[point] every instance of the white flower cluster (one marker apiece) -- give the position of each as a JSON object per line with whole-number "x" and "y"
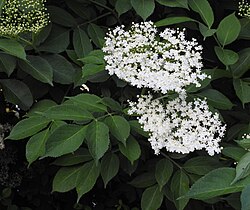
{"x": 162, "y": 62}
{"x": 244, "y": 8}
{"x": 179, "y": 126}
{"x": 19, "y": 16}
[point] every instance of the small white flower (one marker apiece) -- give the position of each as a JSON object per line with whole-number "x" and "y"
{"x": 179, "y": 126}
{"x": 244, "y": 8}
{"x": 163, "y": 62}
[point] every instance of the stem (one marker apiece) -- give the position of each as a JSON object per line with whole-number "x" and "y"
{"x": 95, "y": 19}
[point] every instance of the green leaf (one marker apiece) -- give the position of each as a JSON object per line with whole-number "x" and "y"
{"x": 40, "y": 106}
{"x": 122, "y": 6}
{"x": 96, "y": 34}
{"x": 94, "y": 57}
{"x": 13, "y": 47}
{"x": 235, "y": 153}
{"x": 242, "y": 168}
{"x": 64, "y": 72}
{"x": 205, "y": 31}
{"x": 201, "y": 165}
{"x": 86, "y": 178}
{"x": 137, "y": 127}
{"x": 57, "y": 41}
{"x": 28, "y": 127}
{"x": 152, "y": 198}
{"x": 245, "y": 28}
{"x": 143, "y": 8}
{"x": 65, "y": 179}
{"x": 227, "y": 57}
{"x": 132, "y": 150}
{"x": 17, "y": 92}
{"x": 176, "y": 3}
{"x": 216, "y": 99}
{"x": 81, "y": 43}
{"x": 204, "y": 9}
{"x": 61, "y": 16}
{"x": 144, "y": 180}
{"x": 228, "y": 30}
{"x": 119, "y": 127}
{"x": 91, "y": 69}
{"x": 244, "y": 143}
{"x": 242, "y": 90}
{"x": 79, "y": 156}
{"x": 7, "y": 63}
{"x": 173, "y": 20}
{"x": 42, "y": 35}
{"x": 35, "y": 147}
{"x": 244, "y": 198}
{"x": 65, "y": 139}
{"x": 109, "y": 167}
{"x": 97, "y": 139}
{"x": 68, "y": 112}
{"x": 90, "y": 102}
{"x": 163, "y": 172}
{"x": 38, "y": 68}
{"x": 112, "y": 104}
{"x": 216, "y": 183}
{"x": 179, "y": 187}
{"x": 243, "y": 64}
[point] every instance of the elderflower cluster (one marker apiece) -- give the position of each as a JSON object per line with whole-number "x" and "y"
{"x": 179, "y": 126}
{"x": 244, "y": 9}
{"x": 20, "y": 16}
{"x": 143, "y": 57}
{"x": 246, "y": 136}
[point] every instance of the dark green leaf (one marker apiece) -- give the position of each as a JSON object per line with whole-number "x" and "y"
{"x": 244, "y": 143}
{"x": 137, "y": 127}
{"x": 173, "y": 20}
{"x": 42, "y": 35}
{"x": 8, "y": 63}
{"x": 152, "y": 198}
{"x": 122, "y": 6}
{"x": 28, "y": 127}
{"x": 228, "y": 29}
{"x": 163, "y": 172}
{"x": 143, "y": 8}
{"x": 41, "y": 106}
{"x": 112, "y": 104}
{"x": 109, "y": 167}
{"x": 244, "y": 198}
{"x": 235, "y": 153}
{"x": 205, "y": 31}
{"x": 243, "y": 64}
{"x": 227, "y": 57}
{"x": 143, "y": 180}
{"x": 176, "y": 3}
{"x": 91, "y": 69}
{"x": 97, "y": 139}
{"x": 94, "y": 57}
{"x": 245, "y": 28}
{"x": 242, "y": 90}
{"x": 12, "y": 47}
{"x": 96, "y": 34}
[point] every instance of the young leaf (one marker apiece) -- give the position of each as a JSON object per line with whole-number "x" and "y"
{"x": 13, "y": 47}
{"x": 152, "y": 198}
{"x": 65, "y": 139}
{"x": 244, "y": 198}
{"x": 35, "y": 147}
{"x": 109, "y": 167}
{"x": 132, "y": 150}
{"x": 81, "y": 43}
{"x": 163, "y": 172}
{"x": 28, "y": 127}
{"x": 38, "y": 68}
{"x": 119, "y": 127}
{"x": 143, "y": 8}
{"x": 86, "y": 178}
{"x": 227, "y": 57}
{"x": 179, "y": 187}
{"x": 228, "y": 30}
{"x": 204, "y": 9}
{"x": 242, "y": 90}
{"x": 97, "y": 139}
{"x": 65, "y": 179}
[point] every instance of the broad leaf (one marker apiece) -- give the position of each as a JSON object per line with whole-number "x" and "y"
{"x": 242, "y": 90}
{"x": 243, "y": 64}
{"x": 13, "y": 47}
{"x": 163, "y": 172}
{"x": 81, "y": 43}
{"x": 173, "y": 20}
{"x": 122, "y": 6}
{"x": 40, "y": 106}
{"x": 144, "y": 180}
{"x": 176, "y": 3}
{"x": 7, "y": 63}
{"x": 143, "y": 8}
{"x": 244, "y": 198}
{"x": 96, "y": 34}
{"x": 227, "y": 57}
{"x": 236, "y": 153}
{"x": 152, "y": 198}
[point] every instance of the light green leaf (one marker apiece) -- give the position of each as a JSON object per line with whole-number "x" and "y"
{"x": 28, "y": 127}
{"x": 152, "y": 198}
{"x": 68, "y": 112}
{"x": 179, "y": 187}
{"x": 96, "y": 34}
{"x": 13, "y": 47}
{"x": 97, "y": 139}
{"x": 143, "y": 8}
{"x": 242, "y": 168}
{"x": 244, "y": 198}
{"x": 176, "y": 3}
{"x": 216, "y": 99}
{"x": 122, "y": 6}
{"x": 90, "y": 102}
{"x": 242, "y": 90}
{"x": 86, "y": 178}
{"x": 38, "y": 68}
{"x": 109, "y": 167}
{"x": 243, "y": 64}
{"x": 65, "y": 179}
{"x": 204, "y": 9}
{"x": 65, "y": 139}
{"x": 163, "y": 172}
{"x": 119, "y": 127}
{"x": 132, "y": 150}
{"x": 228, "y": 29}
{"x": 216, "y": 183}
{"x": 227, "y": 57}
{"x": 17, "y": 92}
{"x": 81, "y": 43}
{"x": 35, "y": 147}
{"x": 173, "y": 20}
